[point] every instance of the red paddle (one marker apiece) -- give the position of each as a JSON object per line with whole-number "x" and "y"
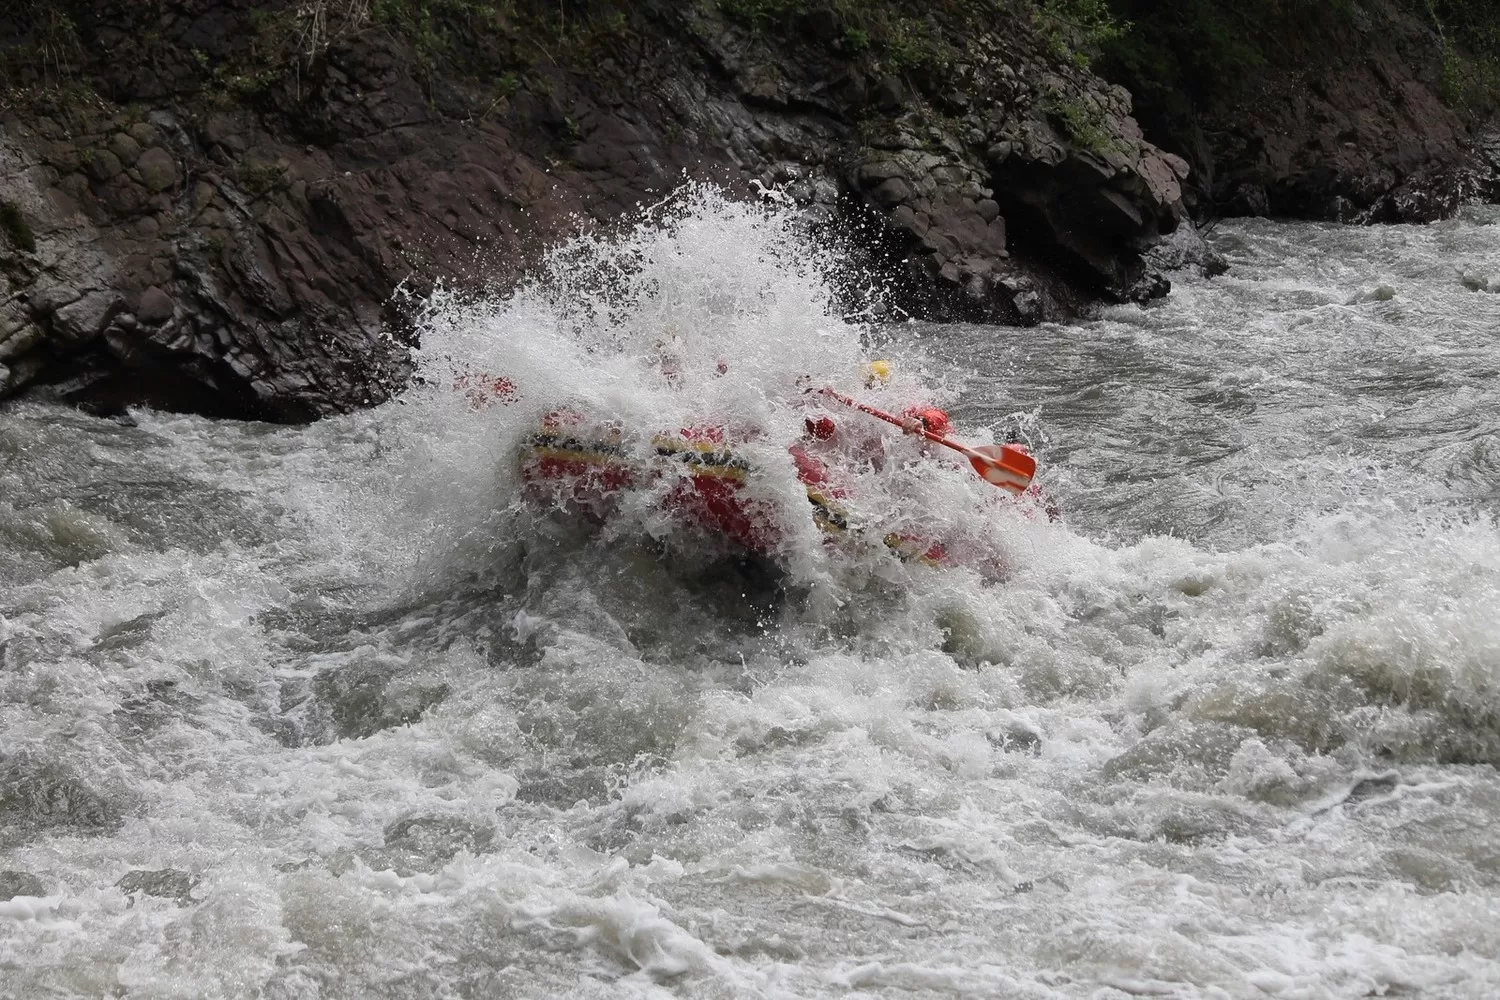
{"x": 1008, "y": 466}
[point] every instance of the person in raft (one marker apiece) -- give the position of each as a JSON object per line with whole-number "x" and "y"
{"x": 859, "y": 438}
{"x": 851, "y": 438}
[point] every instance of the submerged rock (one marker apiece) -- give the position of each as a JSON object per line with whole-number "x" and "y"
{"x": 166, "y": 883}
{"x": 417, "y": 844}
{"x": 438, "y": 835}
{"x": 1380, "y": 293}
{"x": 365, "y": 696}
{"x": 563, "y": 787}
{"x": 37, "y": 796}
{"x": 13, "y": 884}
{"x": 1185, "y": 249}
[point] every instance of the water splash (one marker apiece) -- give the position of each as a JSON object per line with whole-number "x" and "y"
{"x": 707, "y": 314}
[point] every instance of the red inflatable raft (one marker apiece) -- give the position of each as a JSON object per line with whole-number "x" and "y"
{"x": 585, "y": 466}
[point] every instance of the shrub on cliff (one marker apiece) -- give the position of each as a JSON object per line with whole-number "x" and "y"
{"x": 1470, "y": 34}
{"x": 1179, "y": 50}
{"x": 1079, "y": 29}
{"x": 38, "y": 43}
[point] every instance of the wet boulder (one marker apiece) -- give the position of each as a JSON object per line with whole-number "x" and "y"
{"x": 13, "y": 884}
{"x": 38, "y": 796}
{"x": 158, "y": 170}
{"x": 165, "y": 883}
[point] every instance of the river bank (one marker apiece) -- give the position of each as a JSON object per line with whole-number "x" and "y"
{"x": 207, "y": 206}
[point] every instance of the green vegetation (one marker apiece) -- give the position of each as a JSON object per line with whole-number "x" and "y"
{"x": 1078, "y": 30}
{"x": 260, "y": 178}
{"x": 485, "y": 41}
{"x": 904, "y": 39}
{"x": 13, "y": 225}
{"x": 1083, "y": 124}
{"x": 431, "y": 26}
{"x": 284, "y": 42}
{"x": 1192, "y": 46}
{"x": 1469, "y": 31}
{"x": 46, "y": 48}
{"x": 445, "y": 29}
{"x": 909, "y": 44}
{"x": 1174, "y": 50}
{"x": 1170, "y": 52}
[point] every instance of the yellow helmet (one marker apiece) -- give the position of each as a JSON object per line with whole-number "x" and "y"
{"x": 877, "y": 373}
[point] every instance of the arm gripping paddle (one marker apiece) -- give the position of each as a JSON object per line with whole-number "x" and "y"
{"x": 1008, "y": 466}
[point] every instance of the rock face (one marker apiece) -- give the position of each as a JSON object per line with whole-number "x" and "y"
{"x": 206, "y": 204}
{"x": 217, "y": 206}
{"x": 1322, "y": 111}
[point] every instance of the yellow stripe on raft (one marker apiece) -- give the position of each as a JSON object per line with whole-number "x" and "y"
{"x": 570, "y": 455}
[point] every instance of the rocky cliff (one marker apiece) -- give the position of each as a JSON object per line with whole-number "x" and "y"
{"x": 206, "y": 204}
{"x": 212, "y": 200}
{"x": 1328, "y": 109}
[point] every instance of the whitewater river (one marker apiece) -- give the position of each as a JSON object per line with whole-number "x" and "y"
{"x": 328, "y": 712}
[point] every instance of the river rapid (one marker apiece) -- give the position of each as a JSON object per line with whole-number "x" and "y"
{"x": 330, "y": 712}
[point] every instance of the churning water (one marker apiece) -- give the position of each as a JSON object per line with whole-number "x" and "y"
{"x": 329, "y": 712}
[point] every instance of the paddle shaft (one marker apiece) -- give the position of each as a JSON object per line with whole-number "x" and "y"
{"x": 912, "y": 426}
